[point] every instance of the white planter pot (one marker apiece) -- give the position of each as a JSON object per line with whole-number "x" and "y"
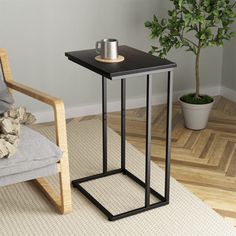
{"x": 196, "y": 115}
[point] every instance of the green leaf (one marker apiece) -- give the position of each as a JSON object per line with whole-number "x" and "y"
{"x": 148, "y": 24}
{"x": 163, "y": 22}
{"x": 180, "y": 3}
{"x": 203, "y": 37}
{"x": 155, "y": 18}
{"x": 189, "y": 50}
{"x": 185, "y": 43}
{"x": 177, "y": 45}
{"x": 154, "y": 47}
{"x": 174, "y": 13}
{"x": 206, "y": 3}
{"x": 233, "y": 34}
{"x": 150, "y": 52}
{"x": 215, "y": 12}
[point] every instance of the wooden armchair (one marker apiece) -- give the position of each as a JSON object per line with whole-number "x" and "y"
{"x": 63, "y": 201}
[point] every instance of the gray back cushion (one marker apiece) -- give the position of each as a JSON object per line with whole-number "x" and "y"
{"x": 6, "y": 99}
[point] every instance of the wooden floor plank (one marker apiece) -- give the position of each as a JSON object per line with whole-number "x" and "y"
{"x": 226, "y": 155}
{"x": 231, "y": 171}
{"x": 204, "y": 161}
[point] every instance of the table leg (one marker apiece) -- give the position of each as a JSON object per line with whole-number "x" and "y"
{"x": 168, "y": 134}
{"x": 148, "y": 139}
{"x": 162, "y": 200}
{"x": 123, "y": 126}
{"x": 104, "y": 123}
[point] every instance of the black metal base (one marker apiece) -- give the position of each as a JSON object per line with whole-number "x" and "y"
{"x": 145, "y": 184}
{"x": 111, "y": 217}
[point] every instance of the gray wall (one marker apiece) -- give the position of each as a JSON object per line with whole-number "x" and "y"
{"x": 229, "y": 63}
{"x": 37, "y": 33}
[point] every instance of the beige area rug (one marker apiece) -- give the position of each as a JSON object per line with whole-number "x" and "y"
{"x": 25, "y": 211}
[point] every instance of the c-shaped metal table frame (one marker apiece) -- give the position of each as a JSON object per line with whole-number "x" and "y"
{"x": 164, "y": 200}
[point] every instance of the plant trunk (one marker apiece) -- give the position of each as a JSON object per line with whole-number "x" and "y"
{"x": 197, "y": 76}
{"x": 197, "y": 71}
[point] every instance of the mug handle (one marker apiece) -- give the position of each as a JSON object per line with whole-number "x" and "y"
{"x": 98, "y": 49}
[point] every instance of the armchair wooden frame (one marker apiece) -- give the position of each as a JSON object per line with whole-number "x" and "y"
{"x": 62, "y": 202}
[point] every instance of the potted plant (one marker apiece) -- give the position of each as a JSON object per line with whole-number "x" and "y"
{"x": 194, "y": 25}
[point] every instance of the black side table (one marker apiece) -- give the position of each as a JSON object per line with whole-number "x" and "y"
{"x": 136, "y": 63}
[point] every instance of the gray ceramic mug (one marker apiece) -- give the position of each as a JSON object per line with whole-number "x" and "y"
{"x": 107, "y": 48}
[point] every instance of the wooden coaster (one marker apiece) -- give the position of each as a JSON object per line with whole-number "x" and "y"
{"x": 119, "y": 59}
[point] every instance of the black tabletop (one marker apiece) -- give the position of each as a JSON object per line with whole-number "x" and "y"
{"x": 135, "y": 62}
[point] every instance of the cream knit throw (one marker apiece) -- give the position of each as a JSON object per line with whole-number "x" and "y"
{"x": 10, "y": 122}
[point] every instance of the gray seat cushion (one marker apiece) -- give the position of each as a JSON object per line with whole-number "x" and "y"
{"x": 34, "y": 151}
{"x": 28, "y": 175}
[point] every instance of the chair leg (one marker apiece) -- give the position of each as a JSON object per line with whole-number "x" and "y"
{"x": 47, "y": 190}
{"x": 62, "y": 202}
{"x": 65, "y": 186}
{"x": 64, "y": 205}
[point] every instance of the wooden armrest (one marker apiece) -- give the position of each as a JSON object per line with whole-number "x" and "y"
{"x": 56, "y": 103}
{"x": 41, "y": 96}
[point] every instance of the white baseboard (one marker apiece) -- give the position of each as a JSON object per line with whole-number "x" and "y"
{"x": 228, "y": 93}
{"x": 94, "y": 109}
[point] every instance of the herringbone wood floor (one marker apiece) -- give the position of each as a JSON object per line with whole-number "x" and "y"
{"x": 204, "y": 161}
